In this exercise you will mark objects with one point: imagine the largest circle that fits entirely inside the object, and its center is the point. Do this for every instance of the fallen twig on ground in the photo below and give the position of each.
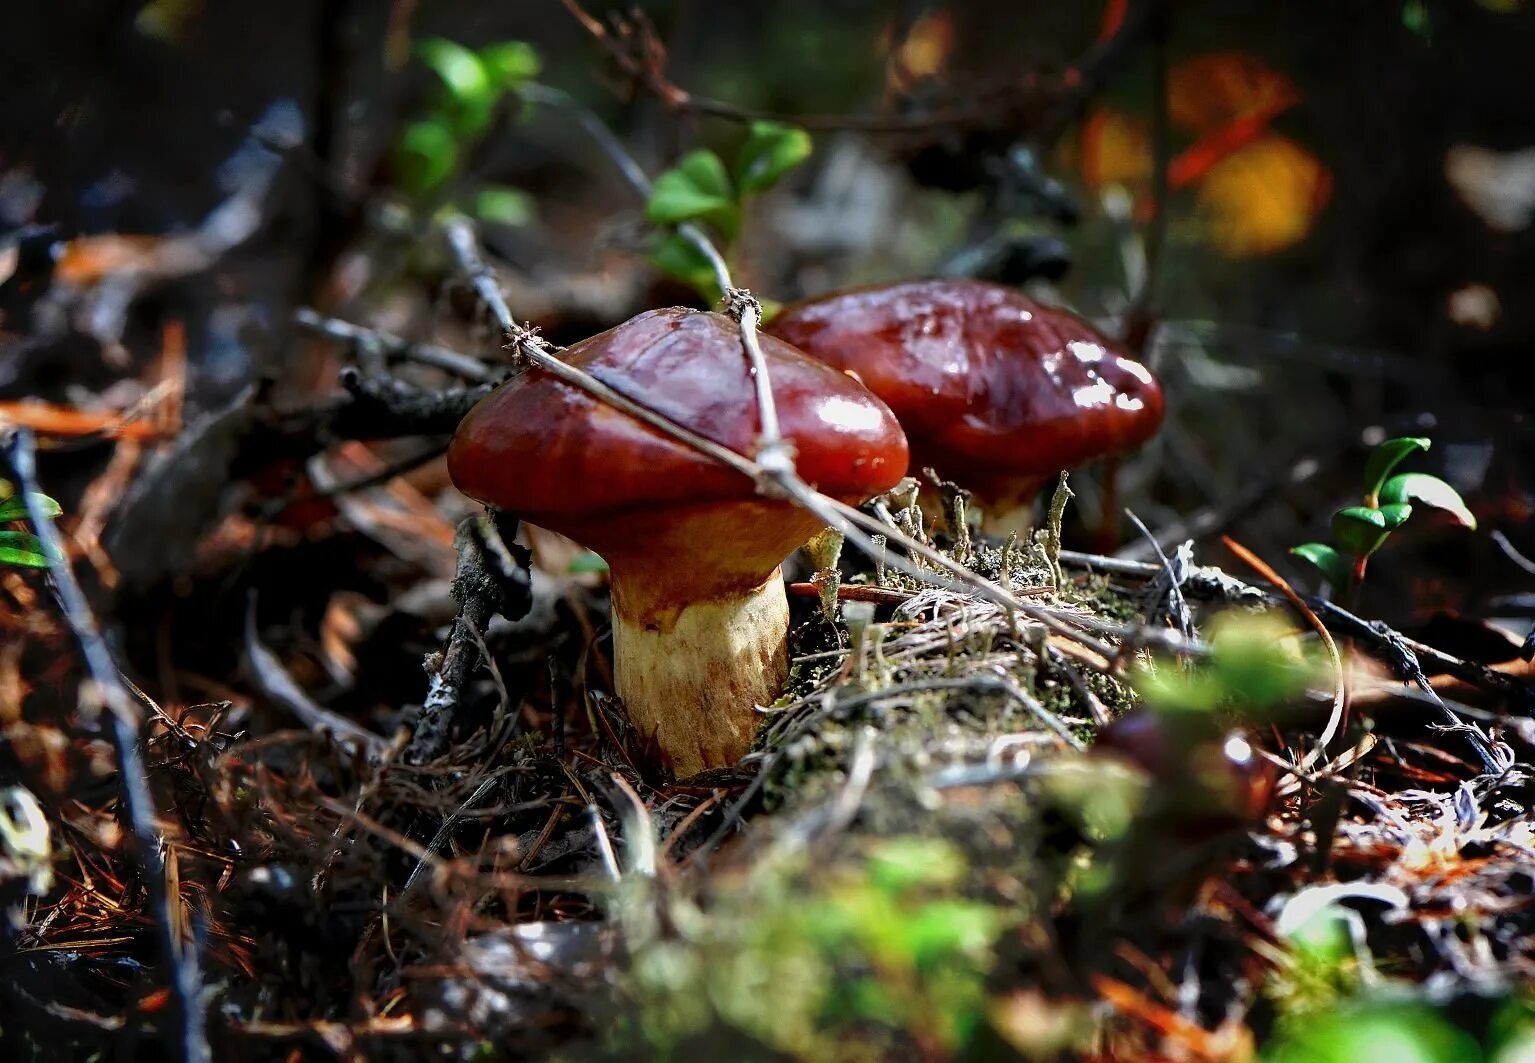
(491, 578)
(1404, 655)
(395, 349)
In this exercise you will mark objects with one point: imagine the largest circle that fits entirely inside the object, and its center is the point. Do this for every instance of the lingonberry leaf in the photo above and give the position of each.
(16, 508)
(23, 549)
(1429, 490)
(697, 188)
(1332, 564)
(1359, 530)
(771, 150)
(1396, 514)
(1388, 456)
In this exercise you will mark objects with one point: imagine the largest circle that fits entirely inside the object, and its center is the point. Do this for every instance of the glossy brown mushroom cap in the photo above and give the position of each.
(554, 455)
(986, 381)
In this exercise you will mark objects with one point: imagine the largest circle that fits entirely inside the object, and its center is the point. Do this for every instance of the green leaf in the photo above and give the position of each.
(676, 257)
(1396, 514)
(771, 150)
(23, 549)
(1429, 490)
(1388, 456)
(697, 187)
(427, 156)
(469, 83)
(510, 63)
(16, 509)
(1359, 530)
(503, 205)
(1334, 565)
(1511, 1033)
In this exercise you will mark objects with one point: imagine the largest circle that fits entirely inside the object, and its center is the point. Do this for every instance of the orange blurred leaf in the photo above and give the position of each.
(924, 52)
(1197, 160)
(1116, 150)
(1263, 198)
(1207, 91)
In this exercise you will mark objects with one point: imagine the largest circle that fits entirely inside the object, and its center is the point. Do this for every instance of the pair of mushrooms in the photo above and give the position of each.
(989, 388)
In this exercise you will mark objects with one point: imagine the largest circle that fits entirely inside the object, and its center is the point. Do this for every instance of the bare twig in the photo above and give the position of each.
(1141, 314)
(373, 479)
(1173, 578)
(773, 454)
(480, 595)
(185, 1014)
(1065, 95)
(1511, 552)
(428, 860)
(273, 680)
(395, 348)
(1340, 685)
(381, 408)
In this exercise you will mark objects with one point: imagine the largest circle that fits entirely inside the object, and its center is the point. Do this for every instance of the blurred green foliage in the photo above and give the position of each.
(436, 148)
(1334, 1007)
(885, 951)
(1392, 1023)
(1254, 665)
(1364, 1033)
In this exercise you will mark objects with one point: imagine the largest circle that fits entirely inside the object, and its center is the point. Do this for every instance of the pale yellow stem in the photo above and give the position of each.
(691, 676)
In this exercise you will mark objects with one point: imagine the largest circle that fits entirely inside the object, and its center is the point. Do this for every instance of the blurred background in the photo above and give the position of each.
(229, 316)
(1313, 221)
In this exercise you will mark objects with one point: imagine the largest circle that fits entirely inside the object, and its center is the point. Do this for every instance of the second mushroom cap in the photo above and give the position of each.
(993, 388)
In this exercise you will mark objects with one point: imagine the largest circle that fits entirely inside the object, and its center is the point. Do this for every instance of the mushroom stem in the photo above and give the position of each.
(691, 675)
(1007, 508)
(1018, 518)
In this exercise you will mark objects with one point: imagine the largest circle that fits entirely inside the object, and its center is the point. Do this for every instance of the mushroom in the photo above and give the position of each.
(996, 391)
(700, 617)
